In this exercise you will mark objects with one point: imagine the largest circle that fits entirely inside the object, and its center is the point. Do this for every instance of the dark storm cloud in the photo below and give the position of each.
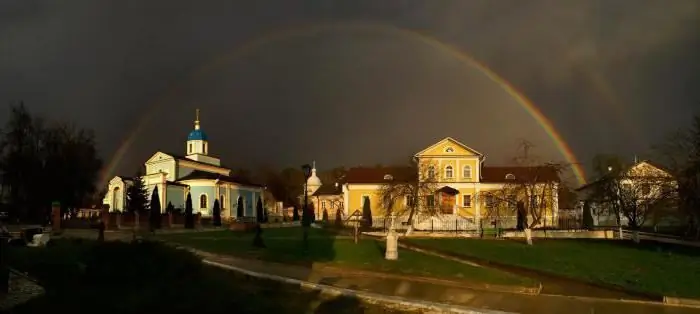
(612, 75)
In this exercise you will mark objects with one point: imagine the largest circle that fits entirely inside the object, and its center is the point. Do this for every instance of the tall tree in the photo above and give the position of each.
(366, 215)
(295, 214)
(587, 219)
(136, 196)
(680, 154)
(35, 153)
(189, 216)
(240, 211)
(155, 210)
(410, 190)
(259, 212)
(216, 214)
(21, 162)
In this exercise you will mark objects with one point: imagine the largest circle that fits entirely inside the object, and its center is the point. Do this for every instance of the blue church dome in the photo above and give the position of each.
(197, 135)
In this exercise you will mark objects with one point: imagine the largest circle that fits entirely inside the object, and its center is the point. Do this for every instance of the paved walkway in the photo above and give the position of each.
(518, 303)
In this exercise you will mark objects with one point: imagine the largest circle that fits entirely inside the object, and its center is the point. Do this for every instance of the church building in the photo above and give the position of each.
(198, 173)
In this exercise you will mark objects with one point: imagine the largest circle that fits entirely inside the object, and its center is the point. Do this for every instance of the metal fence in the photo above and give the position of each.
(455, 223)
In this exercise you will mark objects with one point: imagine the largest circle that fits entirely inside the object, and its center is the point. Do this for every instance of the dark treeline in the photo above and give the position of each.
(287, 184)
(44, 161)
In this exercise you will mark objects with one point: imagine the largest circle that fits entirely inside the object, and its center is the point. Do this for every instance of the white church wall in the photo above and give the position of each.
(176, 195)
(165, 166)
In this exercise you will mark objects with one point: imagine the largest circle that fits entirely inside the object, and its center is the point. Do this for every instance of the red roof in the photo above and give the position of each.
(376, 175)
(529, 174)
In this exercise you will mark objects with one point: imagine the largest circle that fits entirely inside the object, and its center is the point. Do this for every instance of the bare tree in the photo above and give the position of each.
(636, 193)
(408, 191)
(680, 154)
(529, 187)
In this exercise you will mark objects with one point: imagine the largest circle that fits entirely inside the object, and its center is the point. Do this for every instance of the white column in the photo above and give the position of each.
(346, 199)
(228, 200)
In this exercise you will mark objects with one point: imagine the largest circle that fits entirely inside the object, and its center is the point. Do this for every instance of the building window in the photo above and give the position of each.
(203, 201)
(388, 177)
(510, 176)
(430, 200)
(467, 172)
(533, 201)
(222, 201)
(449, 150)
(467, 200)
(646, 189)
(323, 204)
(410, 201)
(512, 201)
(431, 172)
(449, 172)
(205, 148)
(489, 201)
(189, 151)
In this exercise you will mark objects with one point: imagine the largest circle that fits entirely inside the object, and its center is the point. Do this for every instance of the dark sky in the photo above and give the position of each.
(613, 76)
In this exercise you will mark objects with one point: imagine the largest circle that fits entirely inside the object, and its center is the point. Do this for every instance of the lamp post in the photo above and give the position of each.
(305, 217)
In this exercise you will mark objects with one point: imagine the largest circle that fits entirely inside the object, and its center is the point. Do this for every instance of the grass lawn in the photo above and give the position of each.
(285, 245)
(646, 267)
(85, 277)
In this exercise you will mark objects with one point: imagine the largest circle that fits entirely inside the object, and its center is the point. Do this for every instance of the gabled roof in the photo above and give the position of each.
(628, 169)
(180, 157)
(204, 175)
(450, 139)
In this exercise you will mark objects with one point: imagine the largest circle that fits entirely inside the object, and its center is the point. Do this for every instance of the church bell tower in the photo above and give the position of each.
(197, 143)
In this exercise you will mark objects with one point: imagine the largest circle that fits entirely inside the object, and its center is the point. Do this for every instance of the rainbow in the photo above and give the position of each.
(313, 29)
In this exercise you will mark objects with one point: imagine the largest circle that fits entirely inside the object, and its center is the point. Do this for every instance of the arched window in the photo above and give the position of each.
(449, 172)
(467, 171)
(116, 198)
(431, 172)
(203, 201)
(510, 176)
(222, 200)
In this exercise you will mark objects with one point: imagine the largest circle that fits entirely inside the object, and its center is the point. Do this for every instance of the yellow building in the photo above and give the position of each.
(460, 188)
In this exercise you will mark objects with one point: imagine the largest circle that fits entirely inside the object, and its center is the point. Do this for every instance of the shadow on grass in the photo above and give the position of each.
(82, 276)
(283, 245)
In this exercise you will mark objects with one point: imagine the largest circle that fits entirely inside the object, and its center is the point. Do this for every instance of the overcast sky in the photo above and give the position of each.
(276, 87)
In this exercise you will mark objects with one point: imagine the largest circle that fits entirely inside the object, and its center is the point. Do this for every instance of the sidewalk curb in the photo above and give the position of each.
(370, 297)
(674, 301)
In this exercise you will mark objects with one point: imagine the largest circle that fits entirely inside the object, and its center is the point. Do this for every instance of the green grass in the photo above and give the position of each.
(84, 277)
(645, 267)
(285, 245)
